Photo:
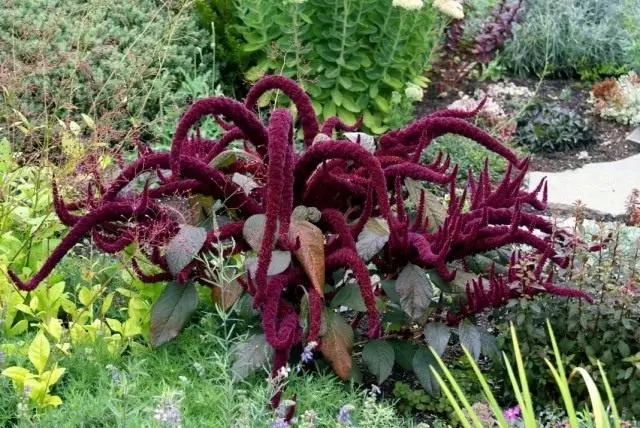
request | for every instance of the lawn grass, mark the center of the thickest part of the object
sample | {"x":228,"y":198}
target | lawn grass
{"x":192,"y":373}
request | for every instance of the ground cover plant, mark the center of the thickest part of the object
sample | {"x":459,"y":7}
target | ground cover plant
{"x":298,"y":217}
{"x":618,"y":99}
{"x":120,"y":64}
{"x":543,"y":127}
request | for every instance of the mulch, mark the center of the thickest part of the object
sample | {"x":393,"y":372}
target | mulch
{"x":610,"y":137}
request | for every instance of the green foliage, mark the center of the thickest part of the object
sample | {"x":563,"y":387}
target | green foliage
{"x":607,"y":331}
{"x":194,"y":84}
{"x":525,"y":414}
{"x":468,"y":155}
{"x":418,"y":400}
{"x":116,"y":61}
{"x":355,"y":57}
{"x":583,"y":341}
{"x":631,"y":22}
{"x":551,"y":128}
{"x":103,"y":390}
{"x":570,"y":37}
{"x":233,"y":60}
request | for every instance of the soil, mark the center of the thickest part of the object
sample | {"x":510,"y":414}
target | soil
{"x":610,"y":137}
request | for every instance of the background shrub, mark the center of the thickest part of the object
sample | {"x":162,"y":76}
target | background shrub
{"x":117,"y":61}
{"x":468,"y":155}
{"x":576,"y":37}
{"x":232,"y":59}
{"x":355,"y":57}
{"x":608,"y":330}
{"x":549,"y":128}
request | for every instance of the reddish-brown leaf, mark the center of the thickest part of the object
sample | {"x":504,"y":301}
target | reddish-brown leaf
{"x":226,"y":294}
{"x":311,"y":251}
{"x":337,"y":343}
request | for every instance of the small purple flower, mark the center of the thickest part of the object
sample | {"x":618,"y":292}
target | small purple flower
{"x":2,"y":358}
{"x":26,"y":392}
{"x":344,"y":416}
{"x":115,"y":374}
{"x":279,"y":423}
{"x":307,"y":356}
{"x":168,"y":412}
{"x":512,"y":414}
{"x":307,"y":353}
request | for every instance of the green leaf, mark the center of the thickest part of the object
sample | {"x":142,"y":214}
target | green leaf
{"x":471,"y":338}
{"x":379,"y":357}
{"x":171,"y":312}
{"x":389,"y":287}
{"x":349,"y":104}
{"x":345,"y":82}
{"x":250,"y":356}
{"x":336,"y":96}
{"x":623,"y":348}
{"x":18,"y":328}
{"x":184,"y":247}
{"x":349,"y":295}
{"x":415,"y":290}
{"x":373,"y":238}
{"x":404,"y":353}
{"x":17,"y":374}
{"x":422,"y":361}
{"x":88,"y":121}
{"x":437,"y":336}
{"x":5,"y":156}
{"x":489,"y":346}
{"x":382,"y":104}
{"x":39,"y":352}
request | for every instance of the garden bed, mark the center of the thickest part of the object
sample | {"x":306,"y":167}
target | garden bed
{"x":610,"y":144}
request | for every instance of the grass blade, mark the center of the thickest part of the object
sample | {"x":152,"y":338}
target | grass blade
{"x":527,"y":411}
{"x":457,"y":389}
{"x":497,"y":411}
{"x":599,"y":414}
{"x":456,"y":407}
{"x":610,"y":397}
{"x":561,"y":379}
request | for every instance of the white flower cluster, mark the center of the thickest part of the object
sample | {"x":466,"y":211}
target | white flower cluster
{"x":452,"y":8}
{"x":491,"y":112}
{"x":413,"y":92}
{"x":626,"y":108}
{"x":408,"y":4}
{"x":502,"y":91}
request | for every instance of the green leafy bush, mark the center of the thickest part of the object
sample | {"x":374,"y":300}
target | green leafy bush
{"x":608,"y":331}
{"x":355,"y":57}
{"x":118,"y":62}
{"x":468,"y":155}
{"x":219,"y":17}
{"x":412,"y":399}
{"x":603,"y":413}
{"x":570,"y":37}
{"x":585,"y":334}
{"x":631,"y":22}
{"x":550,"y":128}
